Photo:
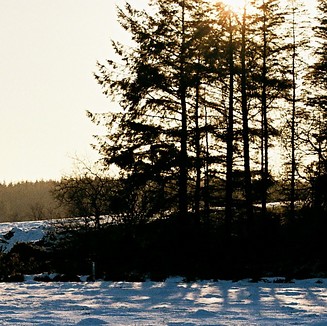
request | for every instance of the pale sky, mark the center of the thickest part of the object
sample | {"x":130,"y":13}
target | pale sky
{"x":49,"y":50}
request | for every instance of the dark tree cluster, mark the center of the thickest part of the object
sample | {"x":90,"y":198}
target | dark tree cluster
{"x":221,"y":113}
{"x":215,"y":107}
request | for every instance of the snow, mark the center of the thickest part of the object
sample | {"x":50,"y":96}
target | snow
{"x":173,"y":302}
{"x":17,"y":232}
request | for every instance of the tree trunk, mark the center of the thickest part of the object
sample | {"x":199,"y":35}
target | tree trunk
{"x":230,"y":136}
{"x":264,"y":152}
{"x":183,"y":160}
{"x":245,"y":131}
{"x":293,"y":158}
{"x":206,"y":194}
{"x":197,"y":192}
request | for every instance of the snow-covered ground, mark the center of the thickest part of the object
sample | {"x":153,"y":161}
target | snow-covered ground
{"x":173,"y":302}
{"x":15,"y":232}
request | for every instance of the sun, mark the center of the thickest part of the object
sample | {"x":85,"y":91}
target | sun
{"x":236,"y":6}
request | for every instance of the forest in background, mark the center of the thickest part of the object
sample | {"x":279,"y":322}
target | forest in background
{"x":29,"y":201}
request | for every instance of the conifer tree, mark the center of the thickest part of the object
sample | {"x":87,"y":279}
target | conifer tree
{"x":318,"y":78}
{"x":230,"y":125}
{"x":271,"y":80}
{"x":245,"y":118}
{"x":317,"y":100}
{"x":159,"y":82}
{"x":295,"y":114}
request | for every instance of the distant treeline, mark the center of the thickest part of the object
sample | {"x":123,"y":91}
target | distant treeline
{"x":28,"y":201}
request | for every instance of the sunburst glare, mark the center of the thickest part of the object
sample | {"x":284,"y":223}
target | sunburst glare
{"x":236,"y":6}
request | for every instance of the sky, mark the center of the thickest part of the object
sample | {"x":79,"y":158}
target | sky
{"x":48,"y":53}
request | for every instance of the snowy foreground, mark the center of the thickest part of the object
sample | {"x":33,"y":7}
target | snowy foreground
{"x":173,"y":302}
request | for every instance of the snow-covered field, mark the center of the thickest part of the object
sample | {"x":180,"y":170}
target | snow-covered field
{"x":172,"y":302}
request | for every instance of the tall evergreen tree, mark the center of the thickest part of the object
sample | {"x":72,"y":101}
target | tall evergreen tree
{"x":272,"y":82}
{"x":295,"y":116}
{"x":318,"y":77}
{"x":159,"y":87}
{"x":230,"y":125}
{"x":317,"y":99}
{"x":245,"y":118}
